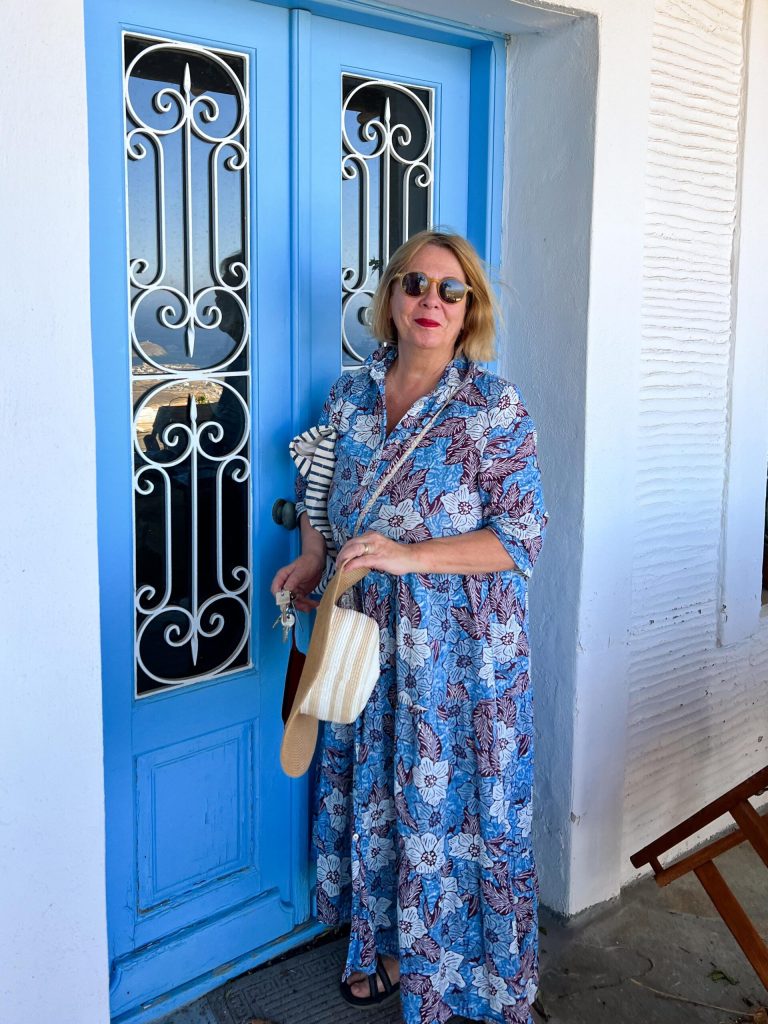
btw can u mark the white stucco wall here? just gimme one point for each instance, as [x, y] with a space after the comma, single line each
[577, 142]
[53, 954]
[545, 288]
[698, 720]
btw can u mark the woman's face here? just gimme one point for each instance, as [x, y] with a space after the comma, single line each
[425, 322]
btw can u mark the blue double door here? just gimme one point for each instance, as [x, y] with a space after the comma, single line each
[239, 220]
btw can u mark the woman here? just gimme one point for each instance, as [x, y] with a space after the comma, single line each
[423, 807]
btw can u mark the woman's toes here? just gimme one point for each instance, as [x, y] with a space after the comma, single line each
[360, 988]
[358, 984]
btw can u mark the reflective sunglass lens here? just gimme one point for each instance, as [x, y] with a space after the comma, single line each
[452, 290]
[414, 283]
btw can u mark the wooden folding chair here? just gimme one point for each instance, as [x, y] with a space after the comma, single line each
[750, 826]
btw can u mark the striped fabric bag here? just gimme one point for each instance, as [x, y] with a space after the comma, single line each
[314, 455]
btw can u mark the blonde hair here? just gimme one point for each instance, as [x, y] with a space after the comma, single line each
[479, 330]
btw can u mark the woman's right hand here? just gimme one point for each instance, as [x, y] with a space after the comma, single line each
[301, 577]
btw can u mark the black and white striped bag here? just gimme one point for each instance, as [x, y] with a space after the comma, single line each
[314, 455]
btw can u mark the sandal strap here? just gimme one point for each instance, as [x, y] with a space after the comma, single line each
[386, 981]
[373, 987]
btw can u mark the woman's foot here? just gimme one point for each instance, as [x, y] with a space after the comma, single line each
[387, 981]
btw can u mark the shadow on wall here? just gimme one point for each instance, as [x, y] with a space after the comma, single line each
[548, 207]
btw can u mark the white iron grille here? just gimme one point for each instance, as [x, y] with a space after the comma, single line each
[387, 134]
[186, 120]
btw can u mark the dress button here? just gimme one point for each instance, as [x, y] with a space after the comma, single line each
[355, 836]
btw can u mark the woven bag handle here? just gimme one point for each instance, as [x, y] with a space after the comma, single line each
[342, 581]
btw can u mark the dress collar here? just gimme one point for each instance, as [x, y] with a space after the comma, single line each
[454, 374]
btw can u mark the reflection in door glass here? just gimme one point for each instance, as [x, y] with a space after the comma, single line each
[186, 119]
[386, 169]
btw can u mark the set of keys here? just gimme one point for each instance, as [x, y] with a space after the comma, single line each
[287, 616]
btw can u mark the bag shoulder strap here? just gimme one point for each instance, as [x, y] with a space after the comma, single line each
[399, 462]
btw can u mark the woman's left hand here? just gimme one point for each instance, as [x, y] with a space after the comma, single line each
[373, 550]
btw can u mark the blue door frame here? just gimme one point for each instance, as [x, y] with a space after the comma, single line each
[268, 897]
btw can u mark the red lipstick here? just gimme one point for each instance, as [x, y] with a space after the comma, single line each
[423, 322]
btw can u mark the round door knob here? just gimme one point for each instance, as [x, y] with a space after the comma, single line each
[284, 513]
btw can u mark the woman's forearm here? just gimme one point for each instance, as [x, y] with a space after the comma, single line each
[476, 552]
[312, 541]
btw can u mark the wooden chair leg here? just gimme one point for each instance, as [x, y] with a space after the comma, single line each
[754, 827]
[731, 911]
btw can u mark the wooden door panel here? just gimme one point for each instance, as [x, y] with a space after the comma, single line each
[194, 807]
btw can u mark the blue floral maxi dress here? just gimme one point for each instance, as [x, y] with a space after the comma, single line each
[423, 805]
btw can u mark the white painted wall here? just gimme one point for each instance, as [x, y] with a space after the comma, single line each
[577, 127]
[744, 518]
[661, 718]
[53, 955]
[545, 286]
[698, 717]
[610, 430]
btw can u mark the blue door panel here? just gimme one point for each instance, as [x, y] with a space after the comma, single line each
[195, 828]
[197, 871]
[139, 982]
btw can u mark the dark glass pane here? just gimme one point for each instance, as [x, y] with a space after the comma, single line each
[186, 173]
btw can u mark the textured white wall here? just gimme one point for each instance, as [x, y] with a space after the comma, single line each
[744, 519]
[698, 718]
[599, 711]
[576, 272]
[53, 954]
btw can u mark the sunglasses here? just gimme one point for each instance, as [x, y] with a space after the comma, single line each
[450, 289]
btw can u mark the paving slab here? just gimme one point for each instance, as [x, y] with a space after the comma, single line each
[653, 956]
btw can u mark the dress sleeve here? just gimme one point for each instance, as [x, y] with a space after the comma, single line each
[510, 481]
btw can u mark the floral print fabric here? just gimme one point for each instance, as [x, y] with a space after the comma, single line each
[423, 805]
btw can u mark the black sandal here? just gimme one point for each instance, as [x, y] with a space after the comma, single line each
[376, 997]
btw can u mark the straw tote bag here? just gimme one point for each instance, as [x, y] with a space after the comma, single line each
[340, 672]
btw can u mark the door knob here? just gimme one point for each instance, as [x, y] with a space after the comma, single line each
[284, 513]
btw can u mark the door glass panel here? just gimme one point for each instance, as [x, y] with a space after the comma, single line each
[387, 133]
[186, 120]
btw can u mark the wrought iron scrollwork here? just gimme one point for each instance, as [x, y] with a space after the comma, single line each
[387, 134]
[186, 115]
